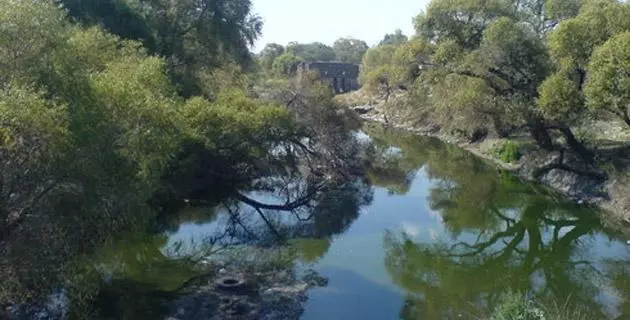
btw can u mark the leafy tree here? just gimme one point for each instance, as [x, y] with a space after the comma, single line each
[461, 20]
[395, 38]
[269, 54]
[194, 36]
[412, 57]
[572, 45]
[350, 50]
[483, 65]
[315, 51]
[95, 128]
[560, 10]
[377, 57]
[286, 64]
[560, 98]
[379, 75]
[608, 84]
[574, 40]
[119, 17]
[24, 44]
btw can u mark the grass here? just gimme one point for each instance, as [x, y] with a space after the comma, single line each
[508, 152]
[515, 306]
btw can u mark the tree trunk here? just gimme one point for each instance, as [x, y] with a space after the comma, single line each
[540, 135]
[501, 131]
[575, 144]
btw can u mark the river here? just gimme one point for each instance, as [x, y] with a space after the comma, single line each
[431, 233]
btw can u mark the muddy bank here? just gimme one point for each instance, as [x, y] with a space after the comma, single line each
[221, 291]
[236, 293]
[561, 171]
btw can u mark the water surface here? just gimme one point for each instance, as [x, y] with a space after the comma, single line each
[430, 232]
[444, 235]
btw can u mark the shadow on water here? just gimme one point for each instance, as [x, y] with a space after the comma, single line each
[494, 234]
[498, 235]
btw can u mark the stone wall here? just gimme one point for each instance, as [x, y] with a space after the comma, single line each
[343, 77]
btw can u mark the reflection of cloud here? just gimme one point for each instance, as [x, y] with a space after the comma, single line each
[434, 234]
[410, 229]
[436, 216]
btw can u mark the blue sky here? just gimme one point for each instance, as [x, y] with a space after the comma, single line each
[327, 20]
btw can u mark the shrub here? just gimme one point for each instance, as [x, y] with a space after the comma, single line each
[516, 307]
[509, 152]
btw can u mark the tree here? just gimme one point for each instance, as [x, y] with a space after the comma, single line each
[608, 84]
[315, 51]
[24, 45]
[560, 98]
[286, 64]
[560, 10]
[572, 45]
[395, 38]
[379, 75]
[194, 36]
[462, 20]
[269, 54]
[120, 17]
[350, 50]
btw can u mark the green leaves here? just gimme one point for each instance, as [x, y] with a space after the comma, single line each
[519, 55]
[236, 121]
[269, 54]
[377, 65]
[315, 51]
[137, 101]
[29, 121]
[286, 64]
[560, 97]
[396, 38]
[608, 84]
[461, 20]
[350, 50]
[588, 61]
[500, 64]
[27, 32]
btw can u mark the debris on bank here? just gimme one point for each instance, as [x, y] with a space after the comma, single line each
[235, 294]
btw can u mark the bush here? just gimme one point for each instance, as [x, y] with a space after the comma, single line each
[516, 307]
[509, 152]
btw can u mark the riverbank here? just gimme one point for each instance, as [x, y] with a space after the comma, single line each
[222, 290]
[605, 184]
[245, 293]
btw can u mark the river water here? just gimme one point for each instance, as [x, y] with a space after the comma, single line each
[445, 235]
[435, 233]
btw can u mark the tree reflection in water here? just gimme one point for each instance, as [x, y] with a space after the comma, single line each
[307, 228]
[499, 236]
[131, 278]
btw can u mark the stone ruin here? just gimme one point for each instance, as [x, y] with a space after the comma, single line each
[343, 77]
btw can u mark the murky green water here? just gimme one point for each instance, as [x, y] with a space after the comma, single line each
[444, 235]
[437, 234]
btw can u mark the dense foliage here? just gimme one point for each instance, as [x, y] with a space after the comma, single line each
[492, 241]
[104, 126]
[279, 61]
[192, 36]
[501, 66]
